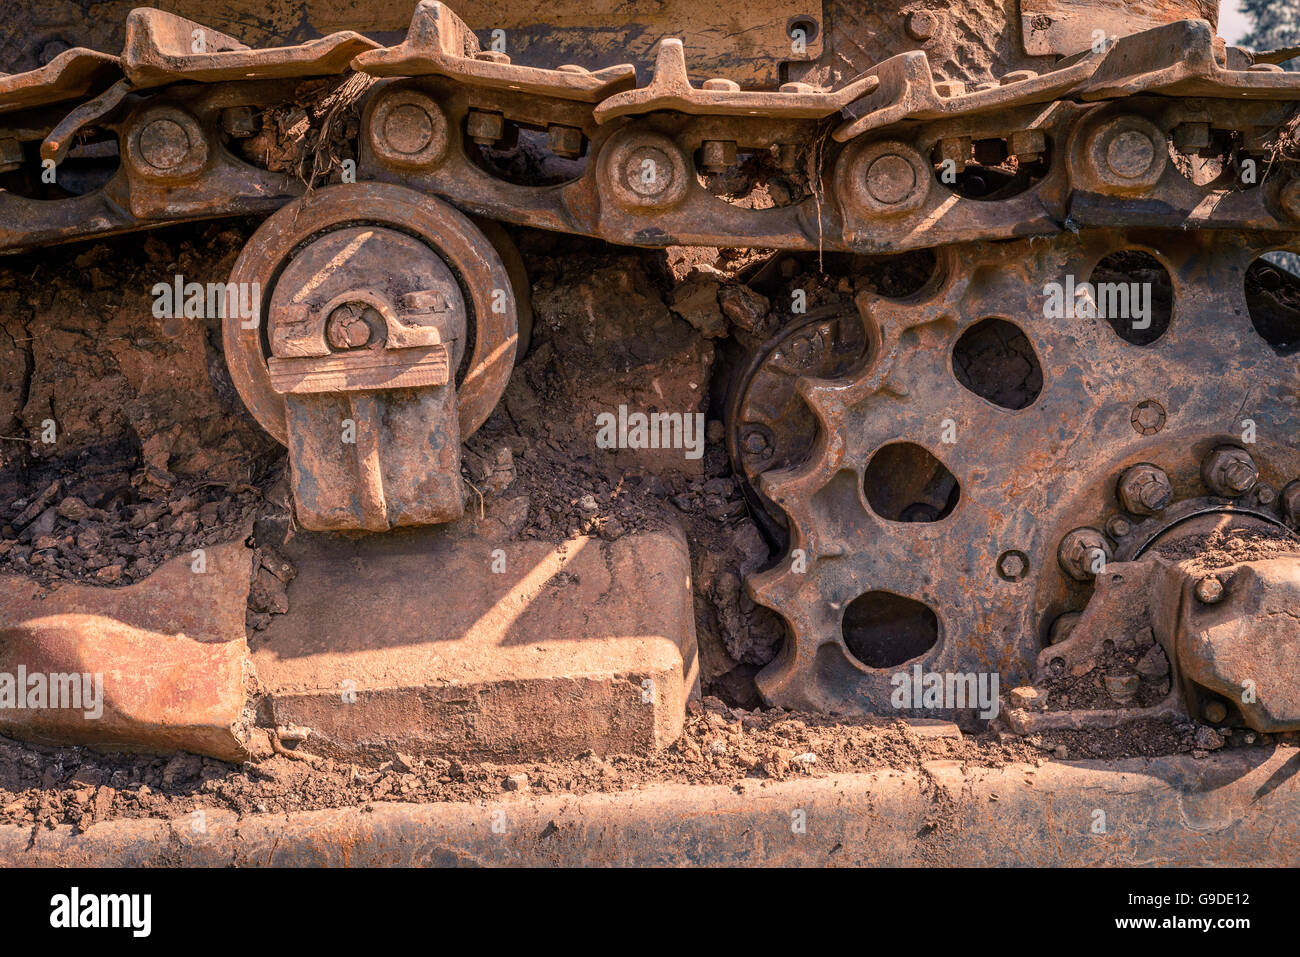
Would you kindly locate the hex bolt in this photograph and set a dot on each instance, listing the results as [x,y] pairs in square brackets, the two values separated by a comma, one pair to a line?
[1083,554]
[163,144]
[1215,712]
[1012,565]
[1130,154]
[891,179]
[1117,526]
[721,84]
[565,141]
[1209,590]
[955,150]
[1190,137]
[1265,494]
[717,155]
[485,128]
[1144,489]
[797,87]
[1027,146]
[492,56]
[950,88]
[1229,471]
[921,25]
[1291,503]
[11,154]
[239,122]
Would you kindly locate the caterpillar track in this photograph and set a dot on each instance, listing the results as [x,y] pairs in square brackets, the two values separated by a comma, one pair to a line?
[961,479]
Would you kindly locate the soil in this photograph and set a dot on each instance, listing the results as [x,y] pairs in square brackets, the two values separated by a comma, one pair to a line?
[153,455]
[720,745]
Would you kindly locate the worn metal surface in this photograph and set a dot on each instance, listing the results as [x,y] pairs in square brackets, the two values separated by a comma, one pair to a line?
[585,645]
[1237,809]
[169,652]
[361,323]
[1026,476]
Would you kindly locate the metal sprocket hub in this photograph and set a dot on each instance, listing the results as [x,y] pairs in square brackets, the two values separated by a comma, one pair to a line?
[1026,477]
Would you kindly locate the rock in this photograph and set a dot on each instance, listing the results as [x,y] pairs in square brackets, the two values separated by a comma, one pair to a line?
[109,574]
[43,524]
[744,307]
[268,594]
[807,759]
[776,762]
[516,782]
[1154,664]
[74,509]
[1207,739]
[696,301]
[37,505]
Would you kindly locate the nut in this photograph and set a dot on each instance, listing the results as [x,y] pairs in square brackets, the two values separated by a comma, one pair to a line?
[1122,688]
[921,25]
[1144,489]
[1229,471]
[1209,590]
[1083,554]
[955,149]
[1291,503]
[485,128]
[239,121]
[717,155]
[565,141]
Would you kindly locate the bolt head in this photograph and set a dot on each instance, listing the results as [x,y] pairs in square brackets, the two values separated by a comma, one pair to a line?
[1290,199]
[921,25]
[1012,565]
[1209,590]
[346,327]
[755,442]
[1083,553]
[1118,526]
[1229,471]
[648,171]
[408,129]
[1148,417]
[1144,489]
